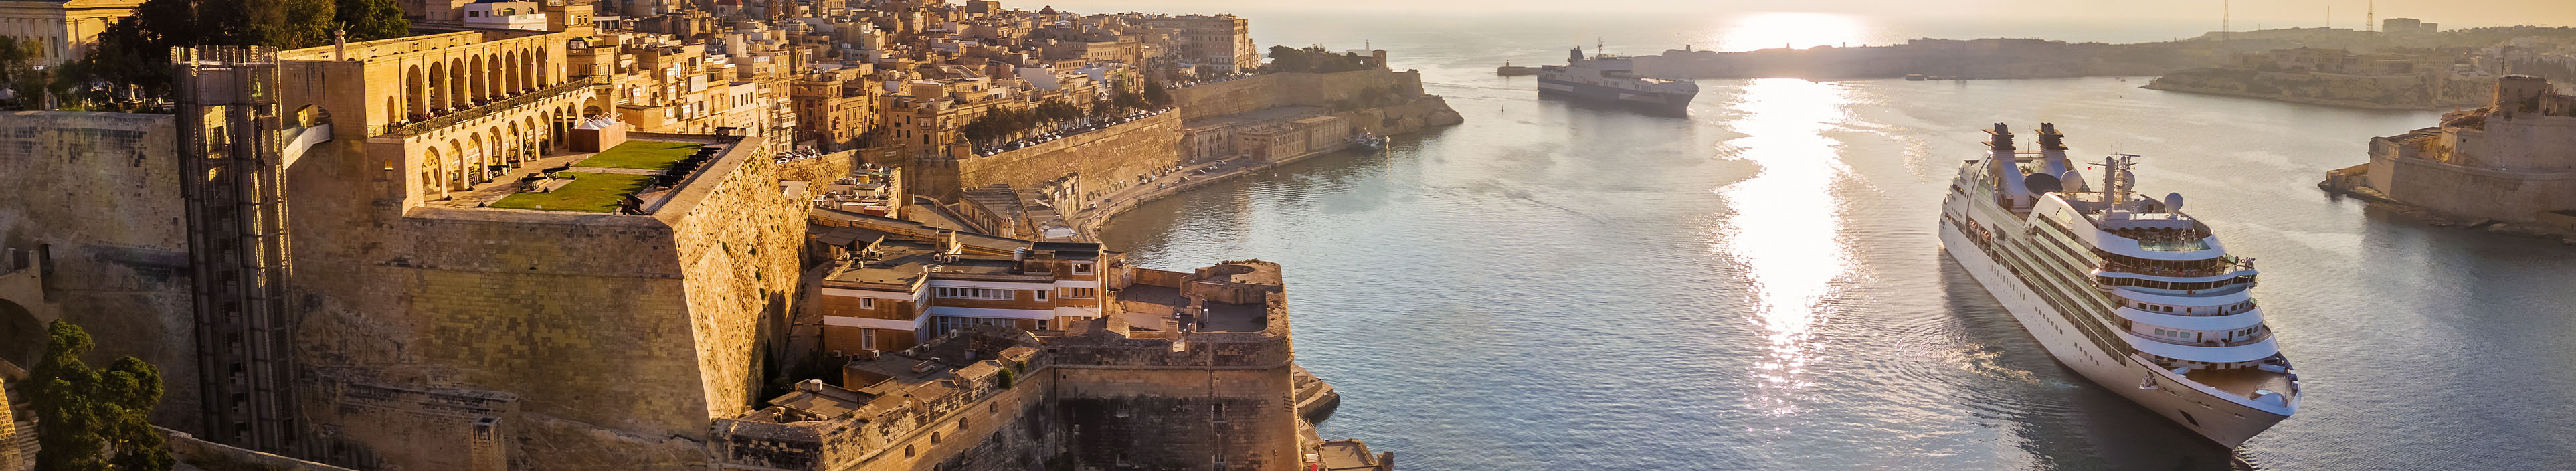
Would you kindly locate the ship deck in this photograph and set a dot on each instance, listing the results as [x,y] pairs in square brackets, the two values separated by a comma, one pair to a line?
[2243,381]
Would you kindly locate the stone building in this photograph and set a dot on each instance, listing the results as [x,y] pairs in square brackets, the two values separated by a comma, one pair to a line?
[436,331]
[1190,371]
[896,281]
[62,30]
[2511,161]
[1220,41]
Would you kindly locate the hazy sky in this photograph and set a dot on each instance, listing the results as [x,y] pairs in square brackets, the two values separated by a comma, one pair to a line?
[2247,13]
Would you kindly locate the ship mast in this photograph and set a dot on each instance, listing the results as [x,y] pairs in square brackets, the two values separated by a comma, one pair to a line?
[2116,180]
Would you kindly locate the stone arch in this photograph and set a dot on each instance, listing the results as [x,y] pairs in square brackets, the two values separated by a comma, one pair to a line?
[493,86]
[455,165]
[416,94]
[312,115]
[545,68]
[431,166]
[528,69]
[476,83]
[22,337]
[562,121]
[438,89]
[510,73]
[477,154]
[530,132]
[459,90]
[515,143]
[590,112]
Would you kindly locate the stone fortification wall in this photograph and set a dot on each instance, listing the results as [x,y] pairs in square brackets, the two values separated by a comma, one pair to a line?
[820,170]
[613,338]
[208,455]
[1223,400]
[98,195]
[2425,91]
[1289,89]
[2473,193]
[968,421]
[738,250]
[1102,159]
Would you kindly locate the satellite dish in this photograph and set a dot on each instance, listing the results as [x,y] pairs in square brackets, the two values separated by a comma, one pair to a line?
[2071,179]
[2127,179]
[2040,183]
[2173,202]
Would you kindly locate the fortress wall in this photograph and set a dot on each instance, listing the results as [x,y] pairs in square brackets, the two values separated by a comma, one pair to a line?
[738,250]
[820,170]
[1104,159]
[2473,192]
[1288,89]
[99,192]
[1193,417]
[612,338]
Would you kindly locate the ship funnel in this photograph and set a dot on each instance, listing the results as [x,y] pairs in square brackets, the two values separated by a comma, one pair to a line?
[1576,56]
[2052,150]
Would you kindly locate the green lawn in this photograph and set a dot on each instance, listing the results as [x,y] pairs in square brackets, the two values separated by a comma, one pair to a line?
[588,192]
[648,155]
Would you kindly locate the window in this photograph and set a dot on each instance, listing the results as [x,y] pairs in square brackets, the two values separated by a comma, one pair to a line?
[868,339]
[951,292]
[1046,324]
[867,303]
[1041,295]
[1077,293]
[1082,268]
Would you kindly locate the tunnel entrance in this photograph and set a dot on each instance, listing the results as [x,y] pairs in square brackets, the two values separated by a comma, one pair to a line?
[22,339]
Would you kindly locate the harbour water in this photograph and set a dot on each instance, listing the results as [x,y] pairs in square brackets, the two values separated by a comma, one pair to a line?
[1758,285]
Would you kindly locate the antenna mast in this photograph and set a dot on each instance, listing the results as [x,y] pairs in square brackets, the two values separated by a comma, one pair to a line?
[2370,16]
[2225,31]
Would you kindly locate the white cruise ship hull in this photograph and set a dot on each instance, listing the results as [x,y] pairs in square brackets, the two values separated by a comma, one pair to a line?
[2218,419]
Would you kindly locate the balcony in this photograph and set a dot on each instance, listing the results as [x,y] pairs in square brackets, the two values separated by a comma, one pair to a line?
[2261,334]
[440,121]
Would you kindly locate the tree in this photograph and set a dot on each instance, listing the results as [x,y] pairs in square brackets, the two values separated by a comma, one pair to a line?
[1155,95]
[369,20]
[18,71]
[94,419]
[131,62]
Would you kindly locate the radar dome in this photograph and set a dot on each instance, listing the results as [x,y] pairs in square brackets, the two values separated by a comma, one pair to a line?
[2173,202]
[2041,183]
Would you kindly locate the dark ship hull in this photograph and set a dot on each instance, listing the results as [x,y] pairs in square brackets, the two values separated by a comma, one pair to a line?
[1669,103]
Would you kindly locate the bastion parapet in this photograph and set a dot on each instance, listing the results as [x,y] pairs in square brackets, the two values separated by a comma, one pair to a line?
[2512,161]
[992,397]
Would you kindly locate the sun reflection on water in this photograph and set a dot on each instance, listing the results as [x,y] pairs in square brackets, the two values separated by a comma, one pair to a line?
[1783,230]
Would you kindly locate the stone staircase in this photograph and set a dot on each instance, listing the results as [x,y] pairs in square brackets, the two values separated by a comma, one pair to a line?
[17,428]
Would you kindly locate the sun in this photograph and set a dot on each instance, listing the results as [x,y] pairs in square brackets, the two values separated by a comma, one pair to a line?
[1795,30]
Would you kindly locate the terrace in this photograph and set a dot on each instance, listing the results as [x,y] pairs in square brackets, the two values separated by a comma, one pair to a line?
[634,177]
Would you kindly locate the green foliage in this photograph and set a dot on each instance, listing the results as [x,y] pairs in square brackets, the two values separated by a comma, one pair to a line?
[94,419]
[1007,378]
[130,67]
[1313,59]
[1001,124]
[588,192]
[646,155]
[18,72]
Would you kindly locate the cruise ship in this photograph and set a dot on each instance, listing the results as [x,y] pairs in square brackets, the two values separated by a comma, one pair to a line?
[1612,81]
[2123,288]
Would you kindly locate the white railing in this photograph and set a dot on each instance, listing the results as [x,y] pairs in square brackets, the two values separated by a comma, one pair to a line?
[305,141]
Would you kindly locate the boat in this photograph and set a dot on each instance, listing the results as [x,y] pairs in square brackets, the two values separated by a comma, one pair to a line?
[1509,70]
[2125,289]
[1914,77]
[1613,81]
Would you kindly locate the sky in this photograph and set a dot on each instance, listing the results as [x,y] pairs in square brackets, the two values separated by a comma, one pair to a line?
[2246,14]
